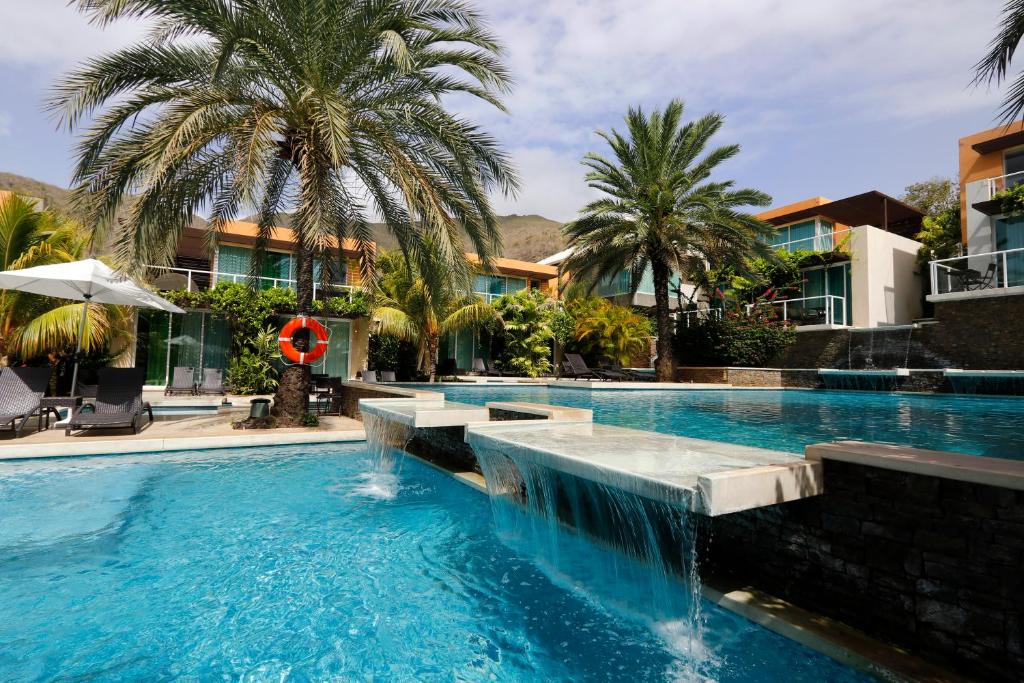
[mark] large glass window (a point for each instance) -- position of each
(492, 286)
(1010, 235)
(335, 363)
(819, 285)
(812, 235)
(1013, 167)
(197, 340)
(235, 263)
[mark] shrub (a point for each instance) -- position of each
(251, 371)
(613, 332)
(736, 339)
(525, 338)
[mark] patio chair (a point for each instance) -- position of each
(479, 367)
(328, 396)
(982, 281)
(388, 376)
(36, 379)
(118, 403)
(183, 381)
(369, 376)
(629, 373)
(493, 371)
(18, 402)
(213, 382)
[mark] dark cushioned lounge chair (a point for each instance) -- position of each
(582, 371)
(118, 402)
(18, 402)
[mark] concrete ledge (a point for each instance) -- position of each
(607, 385)
(975, 469)
(397, 392)
(420, 414)
(547, 411)
(121, 446)
(976, 293)
(751, 487)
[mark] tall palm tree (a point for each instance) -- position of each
(31, 325)
(420, 308)
(332, 108)
(662, 211)
(993, 66)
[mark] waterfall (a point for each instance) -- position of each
(651, 571)
(386, 440)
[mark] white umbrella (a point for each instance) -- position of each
(89, 281)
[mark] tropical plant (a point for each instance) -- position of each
(606, 330)
(420, 307)
(251, 370)
(526, 333)
(32, 325)
(662, 211)
(734, 339)
(334, 109)
(993, 66)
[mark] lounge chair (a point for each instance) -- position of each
(183, 381)
(37, 379)
(491, 370)
(388, 376)
(213, 382)
(629, 373)
(479, 367)
(118, 403)
(582, 371)
(18, 402)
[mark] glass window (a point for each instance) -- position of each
(514, 284)
(151, 345)
(233, 263)
(335, 363)
(1010, 235)
(801, 236)
(1013, 163)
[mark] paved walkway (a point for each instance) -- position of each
(207, 431)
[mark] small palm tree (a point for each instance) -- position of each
(31, 325)
(333, 108)
(421, 308)
(612, 332)
(526, 317)
(993, 66)
(662, 211)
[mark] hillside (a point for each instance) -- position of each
(528, 238)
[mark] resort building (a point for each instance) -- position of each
(201, 339)
(991, 219)
(865, 274)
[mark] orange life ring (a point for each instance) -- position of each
(318, 332)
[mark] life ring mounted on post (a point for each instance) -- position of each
(318, 338)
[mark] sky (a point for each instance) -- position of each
(826, 97)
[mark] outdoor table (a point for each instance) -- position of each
(50, 404)
(966, 277)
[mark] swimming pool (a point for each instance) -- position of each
(789, 420)
(300, 564)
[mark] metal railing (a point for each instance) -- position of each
(976, 272)
(994, 186)
(207, 279)
(824, 242)
(689, 318)
(827, 309)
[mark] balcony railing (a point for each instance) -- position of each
(689, 318)
(827, 309)
(207, 279)
(824, 242)
(978, 272)
(993, 186)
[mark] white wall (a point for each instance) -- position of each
(886, 287)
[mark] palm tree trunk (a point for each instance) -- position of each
(664, 367)
(433, 348)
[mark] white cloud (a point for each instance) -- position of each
(553, 184)
(50, 33)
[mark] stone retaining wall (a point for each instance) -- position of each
(751, 377)
(932, 564)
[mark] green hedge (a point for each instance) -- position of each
(735, 340)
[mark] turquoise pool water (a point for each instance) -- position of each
(300, 564)
(790, 420)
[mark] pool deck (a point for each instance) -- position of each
(201, 432)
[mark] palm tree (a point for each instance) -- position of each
(422, 307)
(332, 108)
(993, 66)
(31, 325)
(661, 211)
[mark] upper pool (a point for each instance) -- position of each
(789, 420)
(298, 563)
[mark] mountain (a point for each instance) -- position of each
(53, 196)
(527, 238)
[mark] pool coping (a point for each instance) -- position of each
(63, 449)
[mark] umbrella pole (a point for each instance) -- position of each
(78, 349)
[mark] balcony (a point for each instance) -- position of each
(826, 241)
(983, 193)
(996, 273)
(192, 279)
(692, 318)
(811, 312)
